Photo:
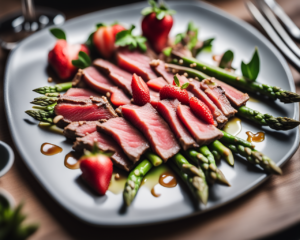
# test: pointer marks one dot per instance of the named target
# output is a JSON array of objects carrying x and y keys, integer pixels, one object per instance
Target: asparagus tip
[
  {"x": 222, "y": 179},
  {"x": 202, "y": 189}
]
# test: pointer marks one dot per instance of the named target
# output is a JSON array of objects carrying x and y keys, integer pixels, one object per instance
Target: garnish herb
[
  {"x": 125, "y": 38},
  {"x": 207, "y": 45},
  {"x": 83, "y": 60},
  {"x": 167, "y": 51},
  {"x": 58, "y": 33},
  {"x": 250, "y": 71},
  {"x": 176, "y": 80},
  {"x": 160, "y": 9},
  {"x": 226, "y": 59}
]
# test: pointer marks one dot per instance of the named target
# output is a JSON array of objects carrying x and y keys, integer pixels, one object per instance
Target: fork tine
[
  {"x": 291, "y": 27},
  {"x": 280, "y": 30},
  {"x": 273, "y": 35}
]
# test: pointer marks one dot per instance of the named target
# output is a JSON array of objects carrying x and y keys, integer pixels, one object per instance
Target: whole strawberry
[
  {"x": 157, "y": 24},
  {"x": 140, "y": 91},
  {"x": 175, "y": 92},
  {"x": 97, "y": 169},
  {"x": 201, "y": 110},
  {"x": 104, "y": 38},
  {"x": 61, "y": 56}
]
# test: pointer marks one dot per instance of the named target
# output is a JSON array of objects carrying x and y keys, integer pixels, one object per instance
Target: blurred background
[{"x": 55, "y": 223}]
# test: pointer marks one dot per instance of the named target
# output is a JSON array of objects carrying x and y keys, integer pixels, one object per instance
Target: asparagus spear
[
  {"x": 61, "y": 87},
  {"x": 154, "y": 159},
  {"x": 134, "y": 180},
  {"x": 237, "y": 81},
  {"x": 277, "y": 123},
  {"x": 197, "y": 185},
  {"x": 41, "y": 115},
  {"x": 185, "y": 166},
  {"x": 229, "y": 139},
  {"x": 223, "y": 151},
  {"x": 212, "y": 173},
  {"x": 44, "y": 100},
  {"x": 256, "y": 157},
  {"x": 55, "y": 94}
]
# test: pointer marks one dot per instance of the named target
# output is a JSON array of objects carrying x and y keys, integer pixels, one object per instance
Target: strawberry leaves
[
  {"x": 58, "y": 33},
  {"x": 250, "y": 71},
  {"x": 177, "y": 83},
  {"x": 125, "y": 38},
  {"x": 160, "y": 10},
  {"x": 226, "y": 60},
  {"x": 83, "y": 60}
]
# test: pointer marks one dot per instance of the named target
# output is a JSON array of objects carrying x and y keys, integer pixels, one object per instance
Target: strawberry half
[
  {"x": 140, "y": 91},
  {"x": 104, "y": 39},
  {"x": 201, "y": 110},
  {"x": 172, "y": 92},
  {"x": 157, "y": 24},
  {"x": 97, "y": 169},
  {"x": 61, "y": 56}
]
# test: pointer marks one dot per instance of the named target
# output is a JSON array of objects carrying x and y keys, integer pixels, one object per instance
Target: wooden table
[{"x": 269, "y": 208}]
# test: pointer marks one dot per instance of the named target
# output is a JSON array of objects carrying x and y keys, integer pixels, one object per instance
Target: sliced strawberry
[
  {"x": 61, "y": 56},
  {"x": 104, "y": 39},
  {"x": 96, "y": 170},
  {"x": 201, "y": 110},
  {"x": 140, "y": 91}
]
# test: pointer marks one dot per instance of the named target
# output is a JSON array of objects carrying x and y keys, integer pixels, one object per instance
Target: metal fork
[{"x": 268, "y": 21}]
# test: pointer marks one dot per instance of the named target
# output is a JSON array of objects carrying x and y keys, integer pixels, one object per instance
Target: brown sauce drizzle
[
  {"x": 258, "y": 137},
  {"x": 50, "y": 149},
  {"x": 72, "y": 160},
  {"x": 155, "y": 194},
  {"x": 168, "y": 180}
]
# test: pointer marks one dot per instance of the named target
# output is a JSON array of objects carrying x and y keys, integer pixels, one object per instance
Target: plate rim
[{"x": 51, "y": 191}]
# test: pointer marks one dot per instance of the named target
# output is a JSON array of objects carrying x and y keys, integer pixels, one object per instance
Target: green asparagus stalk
[
  {"x": 273, "y": 92},
  {"x": 44, "y": 100},
  {"x": 55, "y": 94},
  {"x": 197, "y": 185},
  {"x": 185, "y": 166},
  {"x": 61, "y": 87},
  {"x": 212, "y": 173},
  {"x": 153, "y": 158},
  {"x": 256, "y": 157},
  {"x": 229, "y": 139},
  {"x": 51, "y": 127},
  {"x": 216, "y": 155},
  {"x": 223, "y": 151},
  {"x": 277, "y": 123},
  {"x": 48, "y": 108},
  {"x": 134, "y": 180},
  {"x": 40, "y": 115}
]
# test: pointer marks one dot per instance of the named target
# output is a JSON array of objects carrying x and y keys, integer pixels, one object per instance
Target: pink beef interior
[
  {"x": 81, "y": 92},
  {"x": 161, "y": 71},
  {"x": 156, "y": 84},
  {"x": 154, "y": 128},
  {"x": 202, "y": 132},
  {"x": 129, "y": 138}
]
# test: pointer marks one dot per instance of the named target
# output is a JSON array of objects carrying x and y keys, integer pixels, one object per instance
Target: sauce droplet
[
  {"x": 234, "y": 126},
  {"x": 50, "y": 149},
  {"x": 258, "y": 137},
  {"x": 251, "y": 99},
  {"x": 154, "y": 193},
  {"x": 168, "y": 180},
  {"x": 72, "y": 160}
]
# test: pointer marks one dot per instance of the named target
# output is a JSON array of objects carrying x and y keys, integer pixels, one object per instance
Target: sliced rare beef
[
  {"x": 80, "y": 129},
  {"x": 78, "y": 81},
  {"x": 97, "y": 109},
  {"x": 120, "y": 77},
  {"x": 160, "y": 69},
  {"x": 154, "y": 128},
  {"x": 202, "y": 132},
  {"x": 104, "y": 143},
  {"x": 74, "y": 100},
  {"x": 135, "y": 62},
  {"x": 217, "y": 95},
  {"x": 81, "y": 93},
  {"x": 167, "y": 109},
  {"x": 219, "y": 117},
  {"x": 129, "y": 138},
  {"x": 154, "y": 98},
  {"x": 156, "y": 84},
  {"x": 119, "y": 98},
  {"x": 236, "y": 97},
  {"x": 96, "y": 81}
]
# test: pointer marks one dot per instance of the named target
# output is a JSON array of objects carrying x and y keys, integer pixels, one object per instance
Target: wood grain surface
[{"x": 269, "y": 208}]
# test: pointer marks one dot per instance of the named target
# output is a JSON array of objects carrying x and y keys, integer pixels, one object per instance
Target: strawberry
[
  {"x": 157, "y": 24},
  {"x": 140, "y": 91},
  {"x": 172, "y": 92},
  {"x": 104, "y": 39},
  {"x": 96, "y": 170},
  {"x": 61, "y": 56},
  {"x": 201, "y": 110}
]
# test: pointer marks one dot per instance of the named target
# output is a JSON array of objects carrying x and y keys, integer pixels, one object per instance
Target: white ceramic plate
[{"x": 26, "y": 70}]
